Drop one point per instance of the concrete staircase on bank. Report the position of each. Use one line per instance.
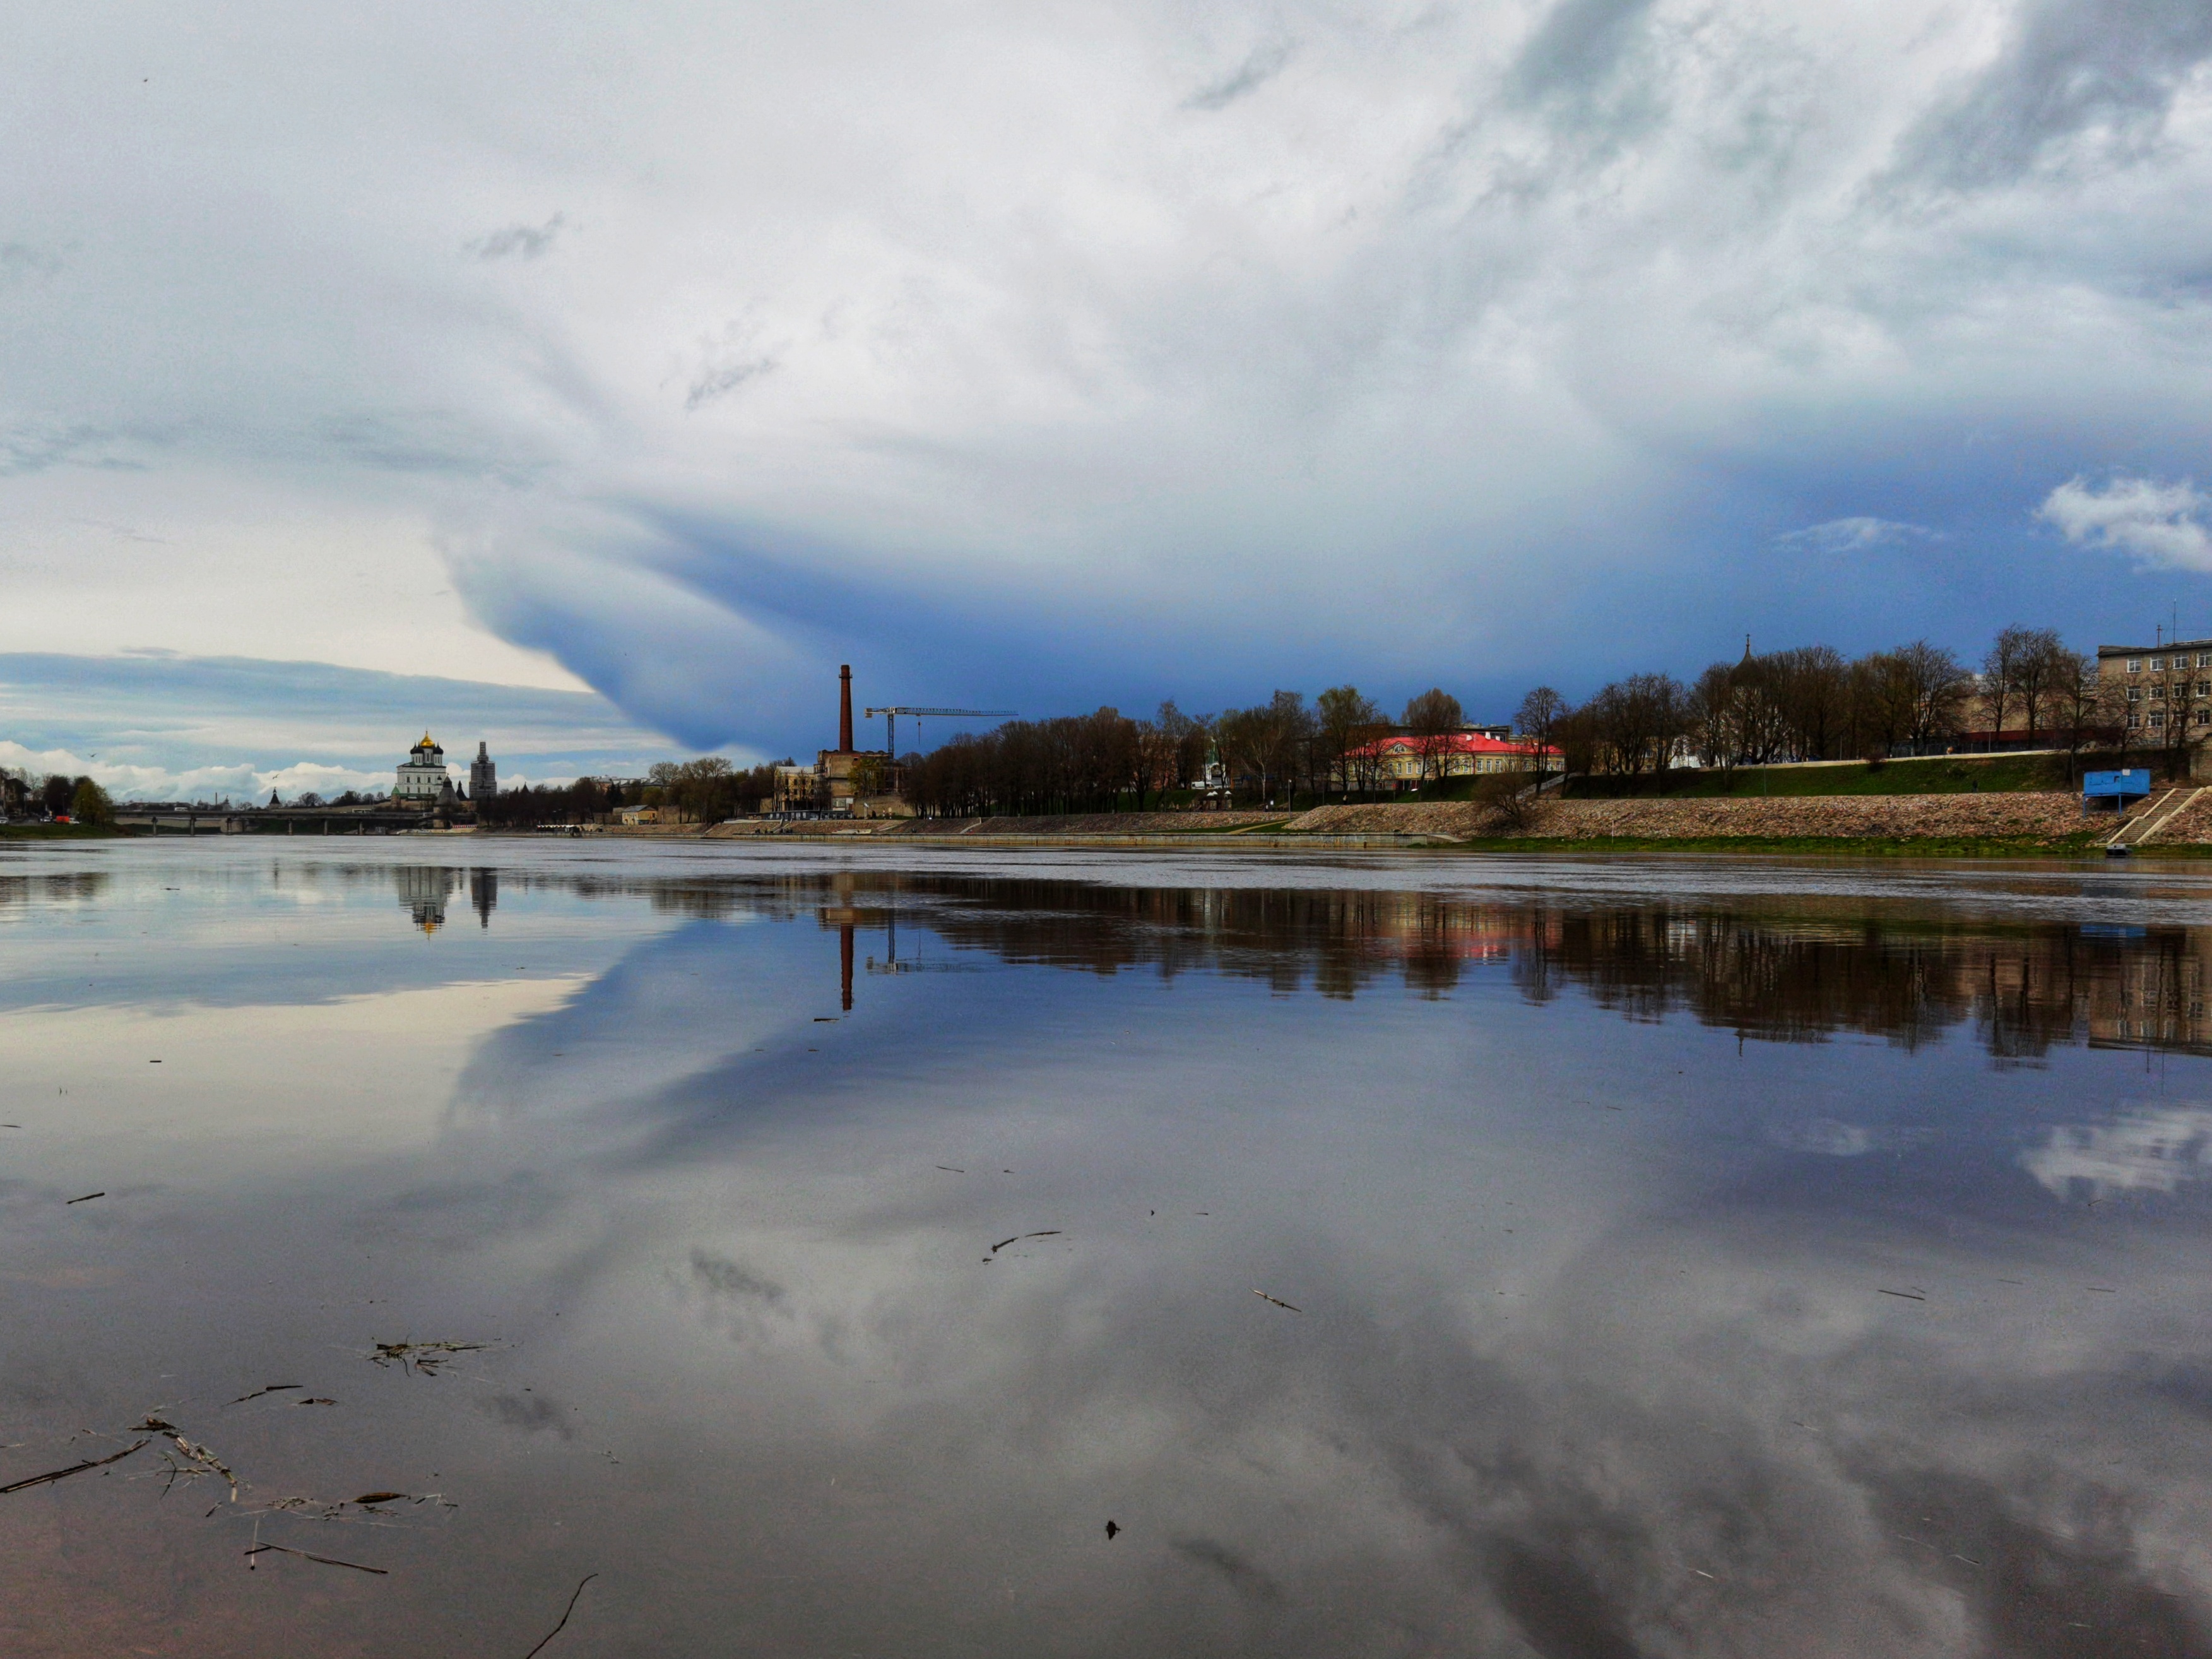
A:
(2146, 823)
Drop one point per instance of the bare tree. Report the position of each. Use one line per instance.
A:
(1937, 683)
(1713, 699)
(1812, 691)
(1432, 719)
(1512, 806)
(1538, 717)
(2039, 674)
(2000, 666)
(2083, 705)
(1344, 721)
(1635, 721)
(1881, 704)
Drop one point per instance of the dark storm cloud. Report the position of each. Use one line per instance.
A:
(1234, 1569)
(722, 379)
(431, 442)
(32, 446)
(532, 1413)
(1463, 330)
(2101, 73)
(1266, 61)
(516, 240)
(20, 262)
(1578, 46)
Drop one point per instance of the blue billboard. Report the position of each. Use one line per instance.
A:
(2116, 785)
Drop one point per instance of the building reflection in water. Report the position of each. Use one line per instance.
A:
(425, 889)
(1798, 970)
(1770, 974)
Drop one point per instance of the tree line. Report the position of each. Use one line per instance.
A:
(1813, 704)
(704, 791)
(57, 794)
(1274, 752)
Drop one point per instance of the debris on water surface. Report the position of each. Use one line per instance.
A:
(190, 1461)
(947, 1168)
(1907, 1296)
(86, 1198)
(1048, 1233)
(375, 1508)
(1110, 1530)
(266, 1388)
(52, 1475)
(327, 1560)
(424, 1357)
(565, 1611)
(1278, 1301)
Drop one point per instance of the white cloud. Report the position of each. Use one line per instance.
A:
(131, 781)
(2151, 1150)
(2156, 522)
(1852, 535)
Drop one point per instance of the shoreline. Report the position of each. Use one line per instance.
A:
(2086, 847)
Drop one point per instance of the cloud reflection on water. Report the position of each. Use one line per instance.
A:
(1637, 1318)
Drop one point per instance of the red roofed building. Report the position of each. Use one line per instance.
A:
(1403, 761)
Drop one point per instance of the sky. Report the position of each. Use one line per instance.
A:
(659, 358)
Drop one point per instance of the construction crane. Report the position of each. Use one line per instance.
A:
(890, 720)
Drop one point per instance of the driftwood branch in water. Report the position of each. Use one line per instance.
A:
(565, 1611)
(52, 1475)
(327, 1560)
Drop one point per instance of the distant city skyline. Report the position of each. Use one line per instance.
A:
(1048, 359)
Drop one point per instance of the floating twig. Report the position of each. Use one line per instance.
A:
(86, 1198)
(270, 1389)
(1048, 1233)
(424, 1357)
(52, 1475)
(327, 1560)
(198, 1460)
(1906, 1295)
(1278, 1301)
(946, 1166)
(565, 1611)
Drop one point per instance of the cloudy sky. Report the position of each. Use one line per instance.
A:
(627, 368)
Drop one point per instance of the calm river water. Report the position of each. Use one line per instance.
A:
(1538, 1257)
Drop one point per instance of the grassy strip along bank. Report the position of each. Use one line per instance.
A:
(1927, 847)
(60, 832)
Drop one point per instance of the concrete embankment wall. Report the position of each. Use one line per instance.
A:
(2012, 816)
(1882, 817)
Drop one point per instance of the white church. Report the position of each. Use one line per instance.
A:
(422, 777)
(424, 782)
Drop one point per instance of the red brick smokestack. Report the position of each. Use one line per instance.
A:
(845, 707)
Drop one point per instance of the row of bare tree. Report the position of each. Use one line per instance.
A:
(1274, 751)
(1813, 704)
(705, 792)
